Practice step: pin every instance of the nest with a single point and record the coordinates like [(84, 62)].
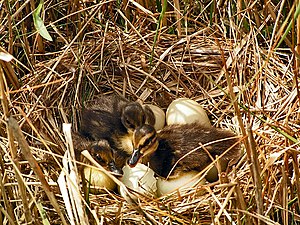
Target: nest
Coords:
[(231, 78)]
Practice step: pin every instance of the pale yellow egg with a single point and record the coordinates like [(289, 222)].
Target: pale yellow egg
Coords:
[(160, 116), (184, 110), (98, 180), (213, 175)]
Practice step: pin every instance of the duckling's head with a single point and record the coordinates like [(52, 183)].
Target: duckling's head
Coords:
[(104, 155), (144, 143), (133, 116)]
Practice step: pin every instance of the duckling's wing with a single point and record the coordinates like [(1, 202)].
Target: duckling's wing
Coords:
[(191, 143), (112, 103), (187, 156), (98, 124)]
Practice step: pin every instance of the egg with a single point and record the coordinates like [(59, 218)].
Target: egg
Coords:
[(98, 180), (213, 174), (167, 186), (140, 178), (159, 116), (184, 110)]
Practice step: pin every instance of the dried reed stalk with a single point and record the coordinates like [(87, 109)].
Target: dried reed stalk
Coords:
[(13, 151)]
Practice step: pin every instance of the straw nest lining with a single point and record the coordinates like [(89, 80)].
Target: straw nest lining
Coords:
[(190, 67)]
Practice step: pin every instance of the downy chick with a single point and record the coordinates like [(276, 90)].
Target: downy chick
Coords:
[(113, 118), (176, 149)]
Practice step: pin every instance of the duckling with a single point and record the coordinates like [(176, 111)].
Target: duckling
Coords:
[(104, 155), (113, 118), (176, 149)]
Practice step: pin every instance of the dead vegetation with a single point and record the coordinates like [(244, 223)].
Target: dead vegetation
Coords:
[(237, 58)]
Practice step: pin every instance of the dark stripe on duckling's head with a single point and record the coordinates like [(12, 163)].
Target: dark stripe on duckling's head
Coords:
[(104, 155), (133, 116), (144, 143)]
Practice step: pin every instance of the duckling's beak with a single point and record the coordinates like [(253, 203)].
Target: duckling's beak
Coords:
[(136, 155), (114, 169)]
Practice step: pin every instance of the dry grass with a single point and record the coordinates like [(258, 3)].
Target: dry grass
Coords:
[(225, 56)]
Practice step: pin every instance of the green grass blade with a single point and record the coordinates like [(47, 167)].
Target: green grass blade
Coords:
[(39, 23)]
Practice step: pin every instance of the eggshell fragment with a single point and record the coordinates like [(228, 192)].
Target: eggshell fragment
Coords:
[(140, 178), (159, 115), (184, 110), (167, 186)]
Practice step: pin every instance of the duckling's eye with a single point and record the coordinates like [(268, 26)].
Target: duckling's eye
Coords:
[(148, 141), (99, 159), (129, 124)]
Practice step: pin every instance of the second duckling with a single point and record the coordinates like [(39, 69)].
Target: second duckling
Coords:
[(179, 149), (113, 118), (104, 155)]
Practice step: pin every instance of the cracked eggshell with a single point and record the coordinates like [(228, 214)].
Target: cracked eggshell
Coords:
[(185, 110), (160, 116), (140, 178)]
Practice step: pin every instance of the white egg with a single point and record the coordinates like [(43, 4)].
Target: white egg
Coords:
[(167, 186), (98, 180), (184, 110), (140, 178), (159, 115)]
